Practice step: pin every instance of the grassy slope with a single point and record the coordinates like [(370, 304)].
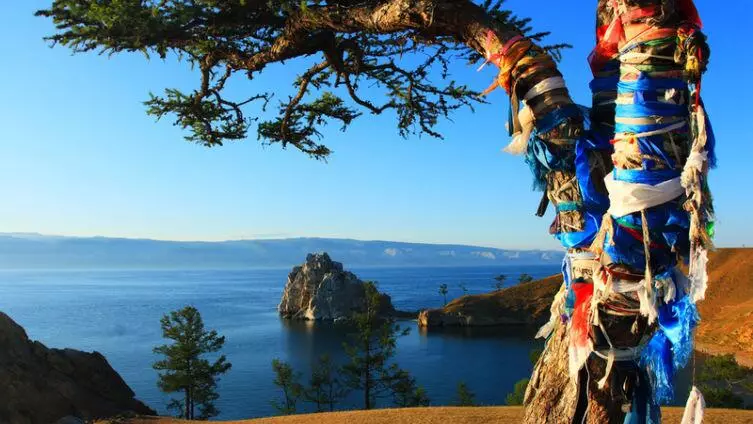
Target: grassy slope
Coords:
[(449, 415), (727, 312)]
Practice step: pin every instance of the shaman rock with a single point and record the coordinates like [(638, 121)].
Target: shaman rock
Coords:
[(321, 289)]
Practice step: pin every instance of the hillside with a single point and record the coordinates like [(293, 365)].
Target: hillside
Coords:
[(445, 415), (33, 251), (40, 385), (726, 313)]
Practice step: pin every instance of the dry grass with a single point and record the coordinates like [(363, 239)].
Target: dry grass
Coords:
[(727, 312), (447, 415)]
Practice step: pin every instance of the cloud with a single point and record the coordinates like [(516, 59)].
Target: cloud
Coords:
[(391, 251), (486, 255)]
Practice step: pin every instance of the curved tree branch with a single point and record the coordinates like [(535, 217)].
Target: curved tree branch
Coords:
[(398, 45)]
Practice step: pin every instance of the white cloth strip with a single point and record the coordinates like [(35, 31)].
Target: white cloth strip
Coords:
[(625, 286), (610, 363), (626, 198), (548, 84), (625, 57), (676, 126), (583, 254), (620, 354), (667, 96), (519, 143), (695, 162), (694, 408), (650, 120)]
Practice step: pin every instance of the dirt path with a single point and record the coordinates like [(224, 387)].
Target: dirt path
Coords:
[(448, 415)]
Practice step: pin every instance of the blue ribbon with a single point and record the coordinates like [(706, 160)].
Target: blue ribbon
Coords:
[(604, 84), (646, 83), (581, 238), (657, 359), (641, 176), (638, 129), (645, 409), (677, 320), (593, 200)]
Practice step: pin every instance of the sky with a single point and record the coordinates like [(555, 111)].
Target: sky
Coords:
[(79, 156)]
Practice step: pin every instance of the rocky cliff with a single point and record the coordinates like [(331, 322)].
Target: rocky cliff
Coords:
[(39, 385), (524, 304), (321, 289)]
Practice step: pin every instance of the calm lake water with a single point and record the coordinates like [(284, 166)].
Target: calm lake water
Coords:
[(117, 313)]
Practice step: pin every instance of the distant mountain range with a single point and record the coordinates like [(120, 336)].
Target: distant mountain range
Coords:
[(36, 251)]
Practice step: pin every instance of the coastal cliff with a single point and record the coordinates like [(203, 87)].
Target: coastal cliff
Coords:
[(39, 385), (321, 289), (523, 304)]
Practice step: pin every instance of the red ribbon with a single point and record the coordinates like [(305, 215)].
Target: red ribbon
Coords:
[(580, 323), (610, 37), (689, 12), (505, 48)]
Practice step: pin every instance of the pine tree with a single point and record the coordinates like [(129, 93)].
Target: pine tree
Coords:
[(184, 369), (371, 350), (518, 393), (724, 382), (519, 390), (443, 289), (325, 388), (500, 284), (525, 278), (292, 390), (465, 396), (407, 393)]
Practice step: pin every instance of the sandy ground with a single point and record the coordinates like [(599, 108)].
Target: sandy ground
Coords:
[(447, 415)]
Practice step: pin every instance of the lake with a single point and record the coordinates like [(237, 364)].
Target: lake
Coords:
[(117, 312)]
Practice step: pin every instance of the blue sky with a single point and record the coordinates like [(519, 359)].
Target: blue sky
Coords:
[(79, 156)]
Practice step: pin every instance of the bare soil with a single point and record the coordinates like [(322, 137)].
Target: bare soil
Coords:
[(447, 415)]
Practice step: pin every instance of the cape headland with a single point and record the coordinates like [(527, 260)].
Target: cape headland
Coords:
[(525, 304)]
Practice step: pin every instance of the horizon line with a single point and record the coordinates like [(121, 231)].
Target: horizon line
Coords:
[(37, 234)]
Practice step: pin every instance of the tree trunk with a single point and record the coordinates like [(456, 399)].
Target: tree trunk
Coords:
[(552, 396), (187, 404), (367, 375)]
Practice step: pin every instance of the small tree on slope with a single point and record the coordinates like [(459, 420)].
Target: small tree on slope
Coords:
[(184, 369), (371, 350)]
